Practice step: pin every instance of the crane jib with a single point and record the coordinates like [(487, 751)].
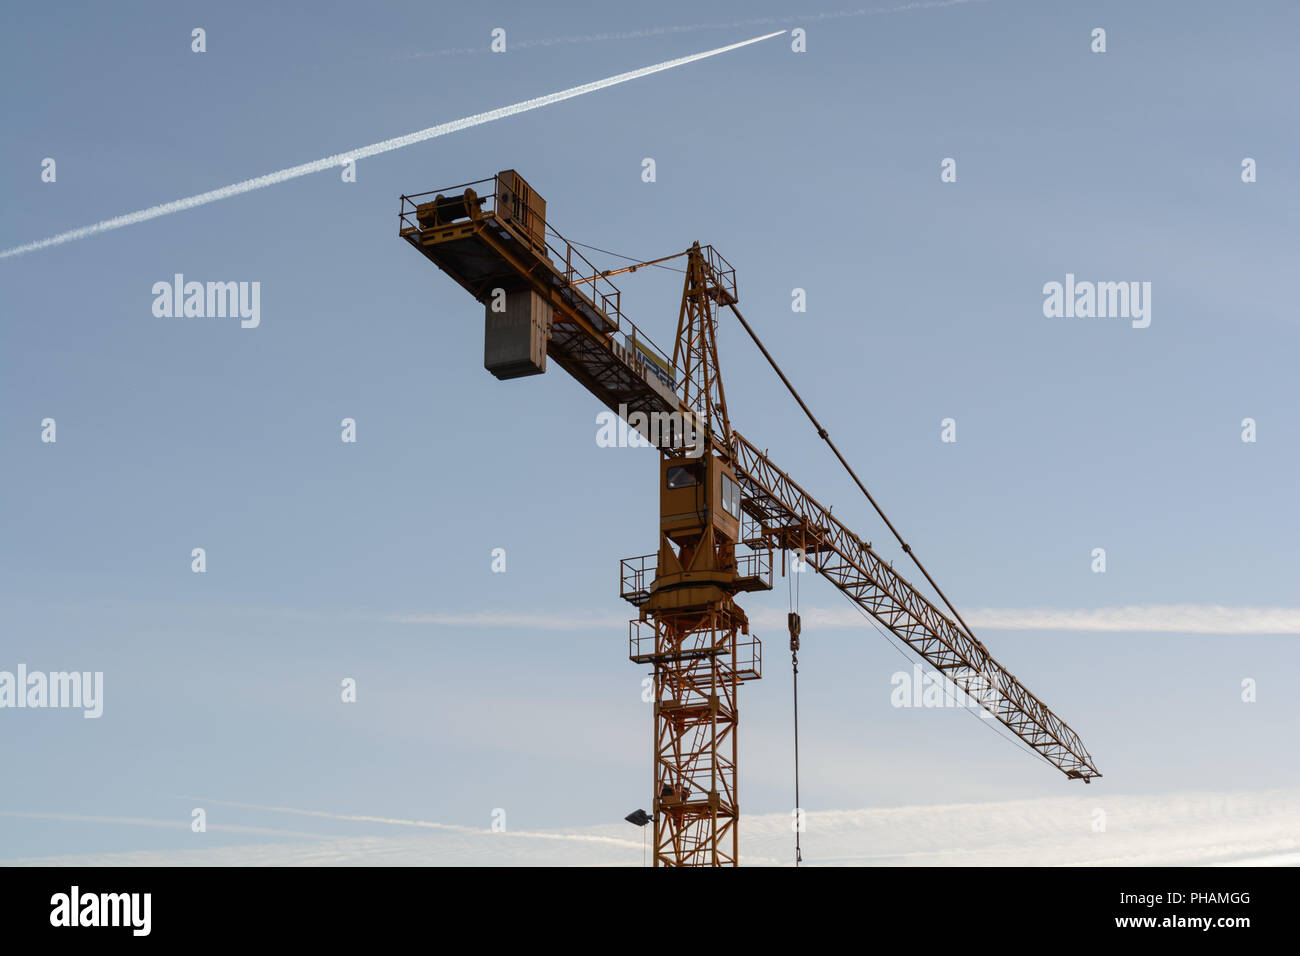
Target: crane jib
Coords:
[(785, 510)]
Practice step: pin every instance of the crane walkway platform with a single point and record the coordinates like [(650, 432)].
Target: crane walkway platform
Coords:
[(499, 240)]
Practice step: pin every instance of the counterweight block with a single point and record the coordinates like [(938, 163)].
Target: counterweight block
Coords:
[(516, 327)]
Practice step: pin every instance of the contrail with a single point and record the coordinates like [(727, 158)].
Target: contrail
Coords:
[(424, 824), (374, 149), (798, 19)]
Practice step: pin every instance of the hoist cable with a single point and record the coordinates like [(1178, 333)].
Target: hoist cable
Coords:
[(798, 810), (796, 625)]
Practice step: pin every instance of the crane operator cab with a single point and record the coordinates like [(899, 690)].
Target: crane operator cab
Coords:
[(696, 494)]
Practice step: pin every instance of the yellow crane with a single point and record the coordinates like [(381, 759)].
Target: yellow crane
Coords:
[(724, 506)]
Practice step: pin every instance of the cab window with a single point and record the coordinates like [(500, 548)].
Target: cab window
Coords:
[(683, 476), (730, 497)]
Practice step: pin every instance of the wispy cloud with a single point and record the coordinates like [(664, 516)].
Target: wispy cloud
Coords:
[(1163, 618), (160, 824), (1153, 618), (425, 824), (1096, 828), (794, 20), (1172, 618), (510, 619)]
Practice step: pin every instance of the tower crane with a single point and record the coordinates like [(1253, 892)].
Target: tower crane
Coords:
[(724, 506)]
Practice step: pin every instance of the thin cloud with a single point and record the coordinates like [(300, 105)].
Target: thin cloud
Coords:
[(1099, 828), (161, 824), (1146, 618), (510, 619), (1165, 618), (1150, 618), (648, 32), (426, 824)]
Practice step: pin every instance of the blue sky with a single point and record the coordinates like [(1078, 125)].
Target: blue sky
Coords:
[(817, 170)]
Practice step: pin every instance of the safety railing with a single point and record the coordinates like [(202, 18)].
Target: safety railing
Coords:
[(489, 197), (638, 573), (755, 569), (747, 661), (635, 575), (723, 272), (640, 640)]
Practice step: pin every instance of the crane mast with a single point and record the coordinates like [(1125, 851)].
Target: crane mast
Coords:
[(690, 628), (724, 506)]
